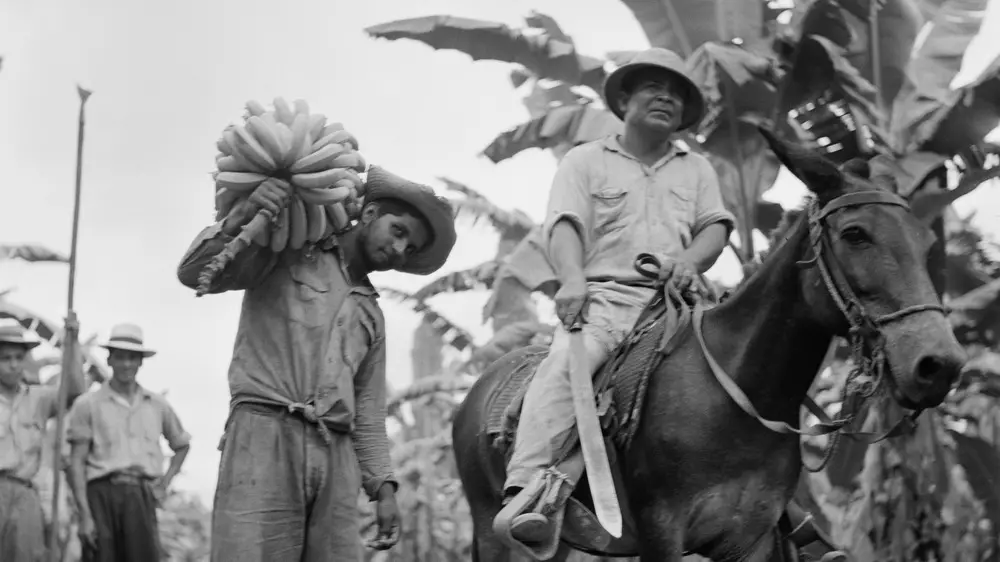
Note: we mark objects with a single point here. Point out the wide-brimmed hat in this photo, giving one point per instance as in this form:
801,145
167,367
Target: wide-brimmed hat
11,331
127,337
382,184
663,59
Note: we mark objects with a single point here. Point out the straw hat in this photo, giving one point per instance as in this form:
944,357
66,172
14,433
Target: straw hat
12,332
382,184
127,337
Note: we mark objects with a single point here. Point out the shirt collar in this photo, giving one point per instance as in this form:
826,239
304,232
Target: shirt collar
332,245
613,144
109,393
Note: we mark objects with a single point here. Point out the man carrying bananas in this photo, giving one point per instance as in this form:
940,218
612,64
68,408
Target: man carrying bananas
24,413
306,428
611,200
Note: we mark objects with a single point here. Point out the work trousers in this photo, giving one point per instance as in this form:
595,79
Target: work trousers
284,493
547,427
125,516
22,525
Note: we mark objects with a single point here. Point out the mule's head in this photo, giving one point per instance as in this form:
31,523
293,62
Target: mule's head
875,251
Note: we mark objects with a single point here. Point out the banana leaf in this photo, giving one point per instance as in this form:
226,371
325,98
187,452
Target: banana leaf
899,24
478,277
746,170
541,53
732,77
981,462
564,125
820,80
512,225
928,114
684,25
31,253
452,334
52,333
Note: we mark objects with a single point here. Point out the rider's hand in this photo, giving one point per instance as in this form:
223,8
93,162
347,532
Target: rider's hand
387,516
682,274
570,302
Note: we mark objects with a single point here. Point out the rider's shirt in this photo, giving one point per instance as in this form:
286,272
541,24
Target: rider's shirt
624,208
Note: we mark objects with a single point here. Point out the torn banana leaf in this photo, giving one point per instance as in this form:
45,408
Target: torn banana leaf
541,53
928,114
684,25
564,125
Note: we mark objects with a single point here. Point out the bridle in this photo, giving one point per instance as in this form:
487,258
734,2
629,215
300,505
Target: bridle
864,334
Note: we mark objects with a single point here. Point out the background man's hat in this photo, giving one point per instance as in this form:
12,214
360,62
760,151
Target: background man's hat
12,332
129,338
382,184
663,59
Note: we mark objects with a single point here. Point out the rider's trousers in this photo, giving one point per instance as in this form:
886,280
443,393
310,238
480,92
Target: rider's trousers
547,427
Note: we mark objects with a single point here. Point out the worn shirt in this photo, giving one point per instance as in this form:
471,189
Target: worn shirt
307,336
22,428
623,207
124,434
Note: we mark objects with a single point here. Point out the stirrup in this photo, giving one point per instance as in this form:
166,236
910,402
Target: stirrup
531,521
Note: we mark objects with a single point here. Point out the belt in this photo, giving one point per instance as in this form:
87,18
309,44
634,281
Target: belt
124,479
645,283
10,477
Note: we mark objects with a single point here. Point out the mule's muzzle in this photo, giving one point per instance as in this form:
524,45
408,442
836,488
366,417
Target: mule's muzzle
926,359
935,375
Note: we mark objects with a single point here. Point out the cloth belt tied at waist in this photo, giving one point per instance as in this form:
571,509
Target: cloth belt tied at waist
306,411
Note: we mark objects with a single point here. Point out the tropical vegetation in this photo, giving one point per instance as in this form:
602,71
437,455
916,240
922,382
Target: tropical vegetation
846,78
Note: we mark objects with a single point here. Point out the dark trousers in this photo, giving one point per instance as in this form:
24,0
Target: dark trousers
125,517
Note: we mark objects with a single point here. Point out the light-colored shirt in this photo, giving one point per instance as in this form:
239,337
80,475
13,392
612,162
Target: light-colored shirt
306,336
22,428
623,207
124,435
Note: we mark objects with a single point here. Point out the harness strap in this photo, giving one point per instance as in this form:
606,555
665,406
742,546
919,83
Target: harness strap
826,424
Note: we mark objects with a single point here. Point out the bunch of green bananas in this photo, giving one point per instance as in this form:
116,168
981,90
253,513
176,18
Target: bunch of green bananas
317,161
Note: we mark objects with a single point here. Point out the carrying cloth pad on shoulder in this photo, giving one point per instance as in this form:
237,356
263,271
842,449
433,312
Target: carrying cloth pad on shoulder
620,384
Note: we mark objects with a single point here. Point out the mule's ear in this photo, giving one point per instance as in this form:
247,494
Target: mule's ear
821,176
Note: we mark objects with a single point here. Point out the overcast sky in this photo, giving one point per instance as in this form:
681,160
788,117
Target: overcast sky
168,76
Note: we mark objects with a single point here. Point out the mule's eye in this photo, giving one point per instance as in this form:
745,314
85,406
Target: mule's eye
856,236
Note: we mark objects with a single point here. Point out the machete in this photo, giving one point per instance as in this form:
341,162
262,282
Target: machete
595,456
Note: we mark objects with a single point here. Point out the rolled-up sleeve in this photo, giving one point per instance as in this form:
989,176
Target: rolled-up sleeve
569,197
246,270
709,207
173,430
79,428
371,443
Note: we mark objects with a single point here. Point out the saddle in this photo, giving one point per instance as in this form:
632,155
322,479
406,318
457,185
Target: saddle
620,387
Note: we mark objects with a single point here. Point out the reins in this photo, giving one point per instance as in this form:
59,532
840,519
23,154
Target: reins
864,336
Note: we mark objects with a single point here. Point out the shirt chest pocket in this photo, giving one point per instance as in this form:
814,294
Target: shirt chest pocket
310,288
683,204
29,436
610,206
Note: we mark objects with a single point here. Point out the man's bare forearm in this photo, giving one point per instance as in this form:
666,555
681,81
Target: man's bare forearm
566,253
706,247
77,477
176,462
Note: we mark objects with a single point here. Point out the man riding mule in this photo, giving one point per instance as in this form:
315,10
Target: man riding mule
611,200
713,456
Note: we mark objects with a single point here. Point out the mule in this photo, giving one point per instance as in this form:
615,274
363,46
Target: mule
701,475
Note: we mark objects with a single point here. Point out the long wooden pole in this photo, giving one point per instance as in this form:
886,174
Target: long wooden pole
70,340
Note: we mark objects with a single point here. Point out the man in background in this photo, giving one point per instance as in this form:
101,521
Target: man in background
116,464
24,413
